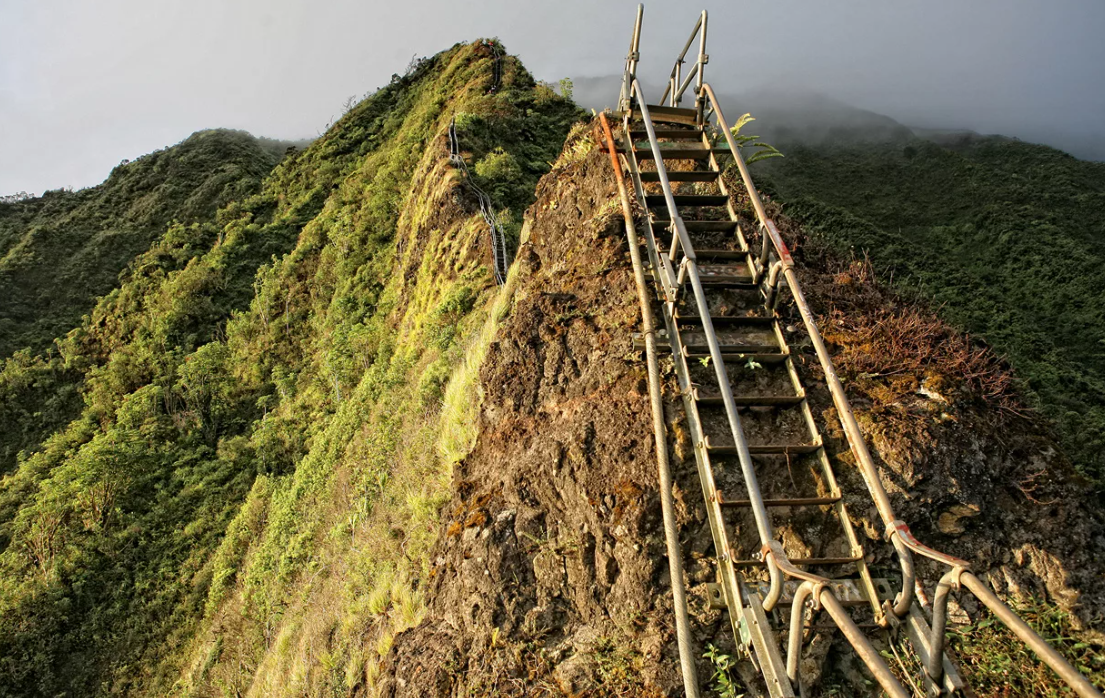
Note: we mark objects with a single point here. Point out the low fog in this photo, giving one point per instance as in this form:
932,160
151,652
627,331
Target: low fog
85,85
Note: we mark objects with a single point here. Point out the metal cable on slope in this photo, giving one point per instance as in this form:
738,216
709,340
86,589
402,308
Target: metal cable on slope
496,67
498,237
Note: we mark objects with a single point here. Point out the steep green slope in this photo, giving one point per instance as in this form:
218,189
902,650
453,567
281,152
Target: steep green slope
254,389
1006,238
61,250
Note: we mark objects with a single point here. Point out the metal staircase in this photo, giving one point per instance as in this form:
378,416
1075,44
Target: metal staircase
785,546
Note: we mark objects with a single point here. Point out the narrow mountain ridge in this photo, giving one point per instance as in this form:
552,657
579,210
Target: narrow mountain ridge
311,445
233,374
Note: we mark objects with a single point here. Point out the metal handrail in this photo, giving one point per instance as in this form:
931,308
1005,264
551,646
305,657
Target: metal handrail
667,504
774,556
897,531
676,86
631,59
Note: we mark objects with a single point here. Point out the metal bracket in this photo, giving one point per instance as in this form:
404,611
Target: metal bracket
745,632
716,596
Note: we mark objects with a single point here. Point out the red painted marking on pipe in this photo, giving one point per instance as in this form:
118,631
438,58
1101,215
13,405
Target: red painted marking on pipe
907,537
784,253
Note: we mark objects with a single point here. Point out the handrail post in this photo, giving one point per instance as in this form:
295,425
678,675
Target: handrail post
626,98
676,81
700,99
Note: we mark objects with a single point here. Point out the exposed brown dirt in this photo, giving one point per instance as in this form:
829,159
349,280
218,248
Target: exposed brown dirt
547,581
549,576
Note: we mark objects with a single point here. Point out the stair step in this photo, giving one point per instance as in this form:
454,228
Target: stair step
692,176
719,320
749,400
805,561
762,449
847,590
700,348
700,226
681,200
681,153
713,272
720,254
672,115
786,502
766,358
747,339
677,134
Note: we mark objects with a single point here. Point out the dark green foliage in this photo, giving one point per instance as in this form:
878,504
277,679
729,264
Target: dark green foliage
235,346
1006,238
58,252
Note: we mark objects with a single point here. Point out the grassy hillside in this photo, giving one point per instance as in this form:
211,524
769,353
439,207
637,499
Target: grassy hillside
60,251
252,391
1006,238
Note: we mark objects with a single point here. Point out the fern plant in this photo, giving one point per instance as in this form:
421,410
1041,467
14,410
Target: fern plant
763,150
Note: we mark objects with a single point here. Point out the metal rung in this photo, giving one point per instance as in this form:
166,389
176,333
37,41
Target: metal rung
740,356
726,319
720,254
750,400
673,133
729,280
700,226
672,115
747,350
680,153
806,561
849,591
764,449
693,176
656,200
785,502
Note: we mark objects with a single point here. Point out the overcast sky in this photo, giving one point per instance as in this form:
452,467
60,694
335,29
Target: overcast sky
85,84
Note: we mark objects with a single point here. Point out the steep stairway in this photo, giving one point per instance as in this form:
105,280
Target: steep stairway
786,550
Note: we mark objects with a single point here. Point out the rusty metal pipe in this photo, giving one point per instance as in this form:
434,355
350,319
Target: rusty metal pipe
775,589
662,174
797,628
863,647
700,99
1037,644
904,600
935,665
659,431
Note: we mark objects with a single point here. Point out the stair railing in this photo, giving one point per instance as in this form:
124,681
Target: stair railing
625,100
677,84
897,532
778,564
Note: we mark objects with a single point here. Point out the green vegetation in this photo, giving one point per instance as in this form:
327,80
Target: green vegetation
60,251
1007,239
723,684
248,440
763,150
999,664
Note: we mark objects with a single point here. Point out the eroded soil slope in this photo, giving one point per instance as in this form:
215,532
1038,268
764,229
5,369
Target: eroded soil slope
548,574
